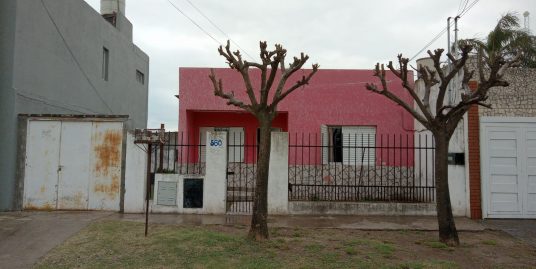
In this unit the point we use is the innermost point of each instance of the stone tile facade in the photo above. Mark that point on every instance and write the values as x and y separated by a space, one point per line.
516 100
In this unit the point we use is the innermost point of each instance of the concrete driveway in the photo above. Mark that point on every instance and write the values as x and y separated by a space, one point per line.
523 229
27 236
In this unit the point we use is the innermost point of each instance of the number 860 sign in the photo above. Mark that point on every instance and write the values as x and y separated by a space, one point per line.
215 143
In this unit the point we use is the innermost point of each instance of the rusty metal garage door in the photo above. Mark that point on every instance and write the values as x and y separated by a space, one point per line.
73 165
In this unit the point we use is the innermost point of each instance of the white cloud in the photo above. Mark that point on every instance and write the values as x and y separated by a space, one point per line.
336 34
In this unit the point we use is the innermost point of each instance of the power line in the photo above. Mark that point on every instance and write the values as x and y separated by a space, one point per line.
195 23
464 4
463 12
74 57
468 8
219 29
49 103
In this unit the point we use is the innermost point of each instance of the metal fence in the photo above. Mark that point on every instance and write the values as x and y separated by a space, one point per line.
390 168
180 154
241 172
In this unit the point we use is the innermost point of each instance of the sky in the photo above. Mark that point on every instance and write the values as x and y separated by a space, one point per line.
337 34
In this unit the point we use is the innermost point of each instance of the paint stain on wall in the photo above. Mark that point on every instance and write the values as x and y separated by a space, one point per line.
111 189
45 207
76 202
108 152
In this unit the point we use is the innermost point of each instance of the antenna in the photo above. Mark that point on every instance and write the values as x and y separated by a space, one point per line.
526 21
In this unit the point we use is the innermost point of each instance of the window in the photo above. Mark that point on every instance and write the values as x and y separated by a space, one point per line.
235 142
353 145
140 77
105 63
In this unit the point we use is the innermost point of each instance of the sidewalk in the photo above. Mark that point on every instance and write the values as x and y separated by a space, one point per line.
27 236
424 223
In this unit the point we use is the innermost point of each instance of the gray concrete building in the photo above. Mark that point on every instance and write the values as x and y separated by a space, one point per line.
63 57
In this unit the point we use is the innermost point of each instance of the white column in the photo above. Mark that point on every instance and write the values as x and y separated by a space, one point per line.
278 174
135 177
215 185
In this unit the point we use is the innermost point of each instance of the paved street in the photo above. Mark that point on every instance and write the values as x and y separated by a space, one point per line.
524 229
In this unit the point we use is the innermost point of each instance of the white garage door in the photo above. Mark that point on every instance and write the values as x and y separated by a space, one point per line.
73 165
508 156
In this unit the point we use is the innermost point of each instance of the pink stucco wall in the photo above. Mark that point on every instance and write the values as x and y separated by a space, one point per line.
334 97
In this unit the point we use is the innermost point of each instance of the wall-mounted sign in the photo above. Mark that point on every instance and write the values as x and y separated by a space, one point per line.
216 143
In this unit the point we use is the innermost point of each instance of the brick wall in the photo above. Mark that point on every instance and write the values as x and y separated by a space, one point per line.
473 123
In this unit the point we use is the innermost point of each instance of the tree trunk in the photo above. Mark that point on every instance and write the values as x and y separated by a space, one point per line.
447 228
259 225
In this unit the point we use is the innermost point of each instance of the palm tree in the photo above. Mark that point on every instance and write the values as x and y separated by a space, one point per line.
507 41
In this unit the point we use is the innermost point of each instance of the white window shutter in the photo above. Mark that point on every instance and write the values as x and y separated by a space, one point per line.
358 145
325 143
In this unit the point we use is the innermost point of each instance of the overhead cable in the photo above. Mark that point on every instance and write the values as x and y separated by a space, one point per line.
219 29
442 32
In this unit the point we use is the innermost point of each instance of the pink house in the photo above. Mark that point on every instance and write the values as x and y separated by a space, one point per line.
334 109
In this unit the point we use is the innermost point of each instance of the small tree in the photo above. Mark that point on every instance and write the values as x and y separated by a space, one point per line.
443 121
507 40
262 104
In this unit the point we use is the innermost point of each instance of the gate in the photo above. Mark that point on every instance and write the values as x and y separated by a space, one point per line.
241 171
73 164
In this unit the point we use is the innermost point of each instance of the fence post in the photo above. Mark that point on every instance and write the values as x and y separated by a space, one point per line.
278 174
215 183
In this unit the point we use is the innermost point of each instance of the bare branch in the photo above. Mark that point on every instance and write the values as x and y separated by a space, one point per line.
279 55
231 100
403 75
380 73
234 59
303 81
428 76
292 68
457 64
484 105
270 60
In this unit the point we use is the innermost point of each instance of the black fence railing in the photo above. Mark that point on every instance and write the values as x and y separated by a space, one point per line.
241 172
361 167
180 154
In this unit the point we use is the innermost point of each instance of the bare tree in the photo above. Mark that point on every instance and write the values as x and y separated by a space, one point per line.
262 104
443 121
